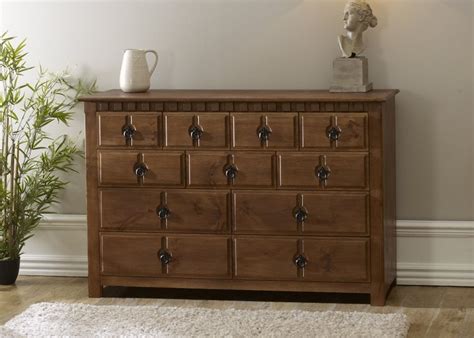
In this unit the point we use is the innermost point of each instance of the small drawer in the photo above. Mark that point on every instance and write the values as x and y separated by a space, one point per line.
264 130
141 168
323 170
196 130
344 131
290 213
227 169
146 255
164 210
315 259
129 129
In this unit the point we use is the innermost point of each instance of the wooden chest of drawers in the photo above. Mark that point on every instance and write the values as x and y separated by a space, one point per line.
243 190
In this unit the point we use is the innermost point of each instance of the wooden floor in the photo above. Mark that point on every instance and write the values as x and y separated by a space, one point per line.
433 311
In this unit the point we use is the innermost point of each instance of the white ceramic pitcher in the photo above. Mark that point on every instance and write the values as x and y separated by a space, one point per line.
134 74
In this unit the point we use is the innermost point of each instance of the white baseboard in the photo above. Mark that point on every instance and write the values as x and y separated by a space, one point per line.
428 252
435 274
54 265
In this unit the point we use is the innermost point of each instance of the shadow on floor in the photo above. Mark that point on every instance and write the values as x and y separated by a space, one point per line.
301 297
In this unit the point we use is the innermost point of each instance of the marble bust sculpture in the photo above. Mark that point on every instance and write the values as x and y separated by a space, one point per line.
358 17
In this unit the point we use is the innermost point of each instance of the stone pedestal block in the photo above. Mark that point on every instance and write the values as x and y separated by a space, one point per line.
351 75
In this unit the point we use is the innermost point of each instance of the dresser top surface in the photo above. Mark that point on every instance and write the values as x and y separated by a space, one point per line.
379 95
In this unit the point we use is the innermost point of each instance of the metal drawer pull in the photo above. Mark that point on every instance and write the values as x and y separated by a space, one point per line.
300 261
264 133
333 133
140 169
195 132
231 171
301 214
323 172
164 256
128 131
163 212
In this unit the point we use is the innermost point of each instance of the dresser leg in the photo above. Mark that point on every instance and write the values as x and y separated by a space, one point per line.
377 298
95 290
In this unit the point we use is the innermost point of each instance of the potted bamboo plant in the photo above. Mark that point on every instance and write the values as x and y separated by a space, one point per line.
31 160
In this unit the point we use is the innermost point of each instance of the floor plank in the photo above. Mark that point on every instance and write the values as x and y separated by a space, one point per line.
432 311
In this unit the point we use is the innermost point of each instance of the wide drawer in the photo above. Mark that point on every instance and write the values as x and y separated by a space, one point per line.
141 168
153 255
226 169
264 130
164 210
129 129
315 259
325 213
344 131
196 130
323 170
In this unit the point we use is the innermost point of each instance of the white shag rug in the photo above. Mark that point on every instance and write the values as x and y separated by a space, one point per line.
59 319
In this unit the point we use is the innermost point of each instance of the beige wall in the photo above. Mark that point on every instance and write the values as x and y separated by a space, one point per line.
423 47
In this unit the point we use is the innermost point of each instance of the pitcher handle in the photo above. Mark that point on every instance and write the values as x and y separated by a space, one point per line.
156 60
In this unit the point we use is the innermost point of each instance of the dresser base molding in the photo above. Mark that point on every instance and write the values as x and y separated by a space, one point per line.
249 285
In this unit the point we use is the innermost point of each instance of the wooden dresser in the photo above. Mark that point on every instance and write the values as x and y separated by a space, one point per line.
243 190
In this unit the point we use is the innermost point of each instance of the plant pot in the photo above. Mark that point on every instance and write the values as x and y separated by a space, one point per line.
9 271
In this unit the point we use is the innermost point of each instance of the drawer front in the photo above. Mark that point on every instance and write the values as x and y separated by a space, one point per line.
323 170
215 169
164 210
336 260
141 168
325 259
199 256
144 255
196 130
264 130
334 131
265 258
129 129
328 213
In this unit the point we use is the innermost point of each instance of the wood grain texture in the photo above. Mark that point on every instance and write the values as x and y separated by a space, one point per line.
221 236
93 246
240 95
137 255
262 212
314 131
207 169
329 259
298 170
336 259
147 129
189 211
378 258
245 126
118 168
214 126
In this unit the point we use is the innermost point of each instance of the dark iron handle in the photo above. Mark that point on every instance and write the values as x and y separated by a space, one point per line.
300 261
163 212
128 131
301 214
334 133
164 256
140 169
195 132
231 171
264 133
323 172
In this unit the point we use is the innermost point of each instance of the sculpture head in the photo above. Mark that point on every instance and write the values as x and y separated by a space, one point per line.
358 16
